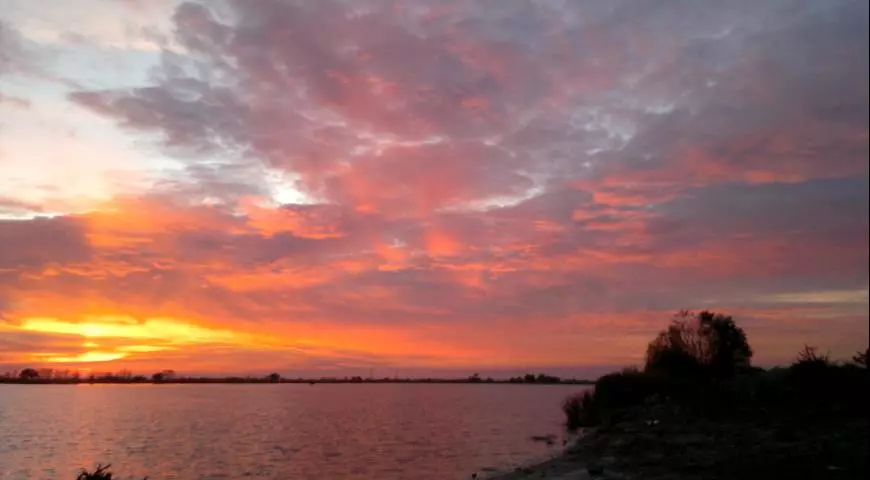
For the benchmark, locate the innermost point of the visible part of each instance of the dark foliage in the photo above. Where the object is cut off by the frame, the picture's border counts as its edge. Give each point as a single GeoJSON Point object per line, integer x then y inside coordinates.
{"type": "Point", "coordinates": [580, 411]}
{"type": "Point", "coordinates": [701, 365]}
{"type": "Point", "coordinates": [705, 344]}
{"type": "Point", "coordinates": [100, 473]}
{"type": "Point", "coordinates": [619, 390]}
{"type": "Point", "coordinates": [539, 378]}
{"type": "Point", "coordinates": [860, 358]}
{"type": "Point", "coordinates": [809, 358]}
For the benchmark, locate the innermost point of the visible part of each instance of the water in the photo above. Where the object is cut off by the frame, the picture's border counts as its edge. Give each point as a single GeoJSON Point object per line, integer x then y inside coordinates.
{"type": "Point", "coordinates": [336, 432]}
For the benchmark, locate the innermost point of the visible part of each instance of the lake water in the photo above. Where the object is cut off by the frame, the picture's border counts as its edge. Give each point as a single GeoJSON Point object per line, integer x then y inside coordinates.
{"type": "Point", "coordinates": [336, 432]}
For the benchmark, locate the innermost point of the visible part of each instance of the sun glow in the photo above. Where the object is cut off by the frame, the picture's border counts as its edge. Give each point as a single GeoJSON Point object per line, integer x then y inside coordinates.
{"type": "Point", "coordinates": [86, 357]}
{"type": "Point", "coordinates": [108, 338]}
{"type": "Point", "coordinates": [161, 329]}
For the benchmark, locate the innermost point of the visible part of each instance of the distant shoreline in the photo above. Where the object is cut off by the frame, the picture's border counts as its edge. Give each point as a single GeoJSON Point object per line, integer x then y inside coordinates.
{"type": "Point", "coordinates": [245, 381]}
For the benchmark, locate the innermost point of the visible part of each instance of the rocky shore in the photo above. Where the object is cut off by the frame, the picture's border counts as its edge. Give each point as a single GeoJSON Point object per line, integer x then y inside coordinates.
{"type": "Point", "coordinates": [663, 443]}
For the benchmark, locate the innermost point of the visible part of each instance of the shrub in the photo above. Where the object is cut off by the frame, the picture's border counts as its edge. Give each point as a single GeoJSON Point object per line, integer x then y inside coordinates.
{"type": "Point", "coordinates": [612, 393]}
{"type": "Point", "coordinates": [100, 473]}
{"type": "Point", "coordinates": [810, 358]}
{"type": "Point", "coordinates": [818, 380]}
{"type": "Point", "coordinates": [630, 388]}
{"type": "Point", "coordinates": [580, 411]}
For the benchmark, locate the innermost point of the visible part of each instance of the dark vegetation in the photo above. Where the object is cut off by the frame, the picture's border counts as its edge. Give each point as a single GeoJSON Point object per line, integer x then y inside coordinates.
{"type": "Point", "coordinates": [100, 473]}
{"type": "Point", "coordinates": [700, 408]}
{"type": "Point", "coordinates": [32, 376]}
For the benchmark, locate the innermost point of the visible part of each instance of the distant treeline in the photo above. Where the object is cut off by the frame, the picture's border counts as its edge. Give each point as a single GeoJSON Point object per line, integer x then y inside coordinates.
{"type": "Point", "coordinates": [31, 376]}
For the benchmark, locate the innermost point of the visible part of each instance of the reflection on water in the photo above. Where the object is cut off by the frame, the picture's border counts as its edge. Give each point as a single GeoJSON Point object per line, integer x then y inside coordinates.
{"type": "Point", "coordinates": [274, 431]}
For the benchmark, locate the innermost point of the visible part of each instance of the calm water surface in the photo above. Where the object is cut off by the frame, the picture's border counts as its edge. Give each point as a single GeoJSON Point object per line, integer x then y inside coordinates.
{"type": "Point", "coordinates": [283, 431]}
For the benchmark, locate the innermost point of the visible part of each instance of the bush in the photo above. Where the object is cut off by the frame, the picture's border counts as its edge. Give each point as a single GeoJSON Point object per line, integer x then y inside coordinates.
{"type": "Point", "coordinates": [580, 411]}
{"type": "Point", "coordinates": [612, 393]}
{"type": "Point", "coordinates": [810, 358]}
{"type": "Point", "coordinates": [630, 388]}
{"type": "Point", "coordinates": [100, 473]}
{"type": "Point", "coordinates": [817, 380]}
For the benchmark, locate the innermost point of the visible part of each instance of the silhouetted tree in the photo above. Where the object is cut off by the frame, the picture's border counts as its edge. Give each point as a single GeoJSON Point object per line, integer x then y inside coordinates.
{"type": "Point", "coordinates": [706, 343]}
{"type": "Point", "coordinates": [28, 374]}
{"type": "Point", "coordinates": [274, 378]}
{"type": "Point", "coordinates": [529, 378]}
{"type": "Point", "coordinates": [474, 378]}
{"type": "Point", "coordinates": [158, 377]}
{"type": "Point", "coordinates": [810, 357]}
{"type": "Point", "coordinates": [860, 358]}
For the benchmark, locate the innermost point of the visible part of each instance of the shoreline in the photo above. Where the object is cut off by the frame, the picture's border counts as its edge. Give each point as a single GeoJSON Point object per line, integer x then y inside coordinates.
{"type": "Point", "coordinates": [564, 466]}
{"type": "Point", "coordinates": [291, 382]}
{"type": "Point", "coordinates": [575, 462]}
{"type": "Point", "coordinates": [662, 442]}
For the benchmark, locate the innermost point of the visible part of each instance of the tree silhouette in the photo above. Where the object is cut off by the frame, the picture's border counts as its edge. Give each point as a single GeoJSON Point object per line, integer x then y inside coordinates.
{"type": "Point", "coordinates": [274, 378]}
{"type": "Point", "coordinates": [28, 374]}
{"type": "Point", "coordinates": [860, 358]}
{"type": "Point", "coordinates": [705, 343]}
{"type": "Point", "coordinates": [101, 473]}
{"type": "Point", "coordinates": [811, 355]}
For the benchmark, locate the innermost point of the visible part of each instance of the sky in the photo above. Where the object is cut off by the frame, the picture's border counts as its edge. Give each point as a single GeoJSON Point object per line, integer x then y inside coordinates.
{"type": "Point", "coordinates": [419, 187]}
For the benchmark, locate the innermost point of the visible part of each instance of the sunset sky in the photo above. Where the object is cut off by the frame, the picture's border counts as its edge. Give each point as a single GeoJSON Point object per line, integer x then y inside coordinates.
{"type": "Point", "coordinates": [426, 186]}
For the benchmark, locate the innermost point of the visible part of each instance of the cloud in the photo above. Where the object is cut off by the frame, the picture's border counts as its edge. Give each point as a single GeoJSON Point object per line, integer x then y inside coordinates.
{"type": "Point", "coordinates": [14, 102]}
{"type": "Point", "coordinates": [29, 244]}
{"type": "Point", "coordinates": [11, 55]}
{"type": "Point", "coordinates": [444, 183]}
